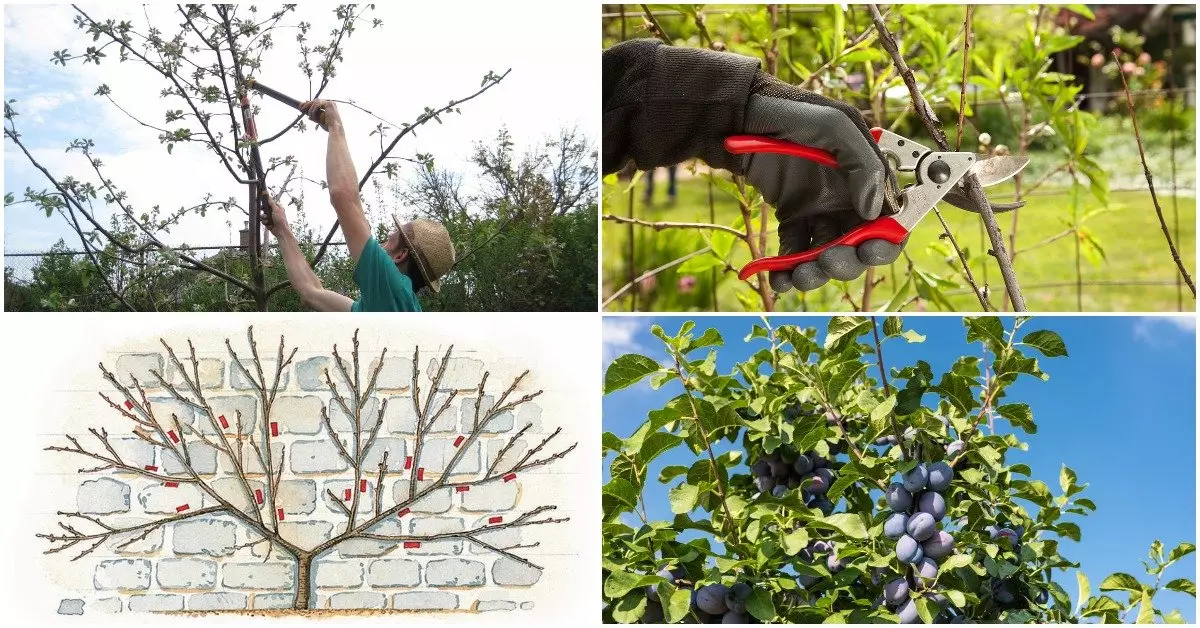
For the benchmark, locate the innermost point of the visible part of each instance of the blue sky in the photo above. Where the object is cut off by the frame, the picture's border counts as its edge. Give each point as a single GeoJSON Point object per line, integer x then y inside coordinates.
{"type": "Point", "coordinates": [1120, 411]}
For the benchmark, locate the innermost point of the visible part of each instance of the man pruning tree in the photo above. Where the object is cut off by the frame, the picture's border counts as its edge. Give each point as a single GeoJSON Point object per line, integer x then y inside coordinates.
{"type": "Point", "coordinates": [390, 274]}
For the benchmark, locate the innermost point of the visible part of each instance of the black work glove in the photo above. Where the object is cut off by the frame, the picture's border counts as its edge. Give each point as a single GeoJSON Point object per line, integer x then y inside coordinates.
{"type": "Point", "coordinates": [815, 204]}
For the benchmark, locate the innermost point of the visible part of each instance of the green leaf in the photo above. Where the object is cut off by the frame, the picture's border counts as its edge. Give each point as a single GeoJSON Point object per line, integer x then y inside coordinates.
{"type": "Point", "coordinates": [679, 601]}
{"type": "Point", "coordinates": [760, 605]}
{"type": "Point", "coordinates": [1082, 10]}
{"type": "Point", "coordinates": [1121, 582]}
{"type": "Point", "coordinates": [628, 370]}
{"type": "Point", "coordinates": [655, 444]}
{"type": "Point", "coordinates": [849, 524]}
{"type": "Point", "coordinates": [844, 330]}
{"type": "Point", "coordinates": [630, 608]}
{"type": "Point", "coordinates": [683, 498]}
{"type": "Point", "coordinates": [892, 326]}
{"type": "Point", "coordinates": [1066, 478]}
{"type": "Point", "coordinates": [1049, 343]}
{"type": "Point", "coordinates": [923, 610]}
{"type": "Point", "coordinates": [1146, 609]}
{"type": "Point", "coordinates": [1183, 585]}
{"type": "Point", "coordinates": [1181, 550]}
{"type": "Point", "coordinates": [957, 390]}
{"type": "Point", "coordinates": [1085, 587]}
{"type": "Point", "coordinates": [986, 328]}
{"type": "Point", "coordinates": [795, 541]}
{"type": "Point", "coordinates": [1020, 416]}
{"type": "Point", "coordinates": [1174, 617]}
{"type": "Point", "coordinates": [710, 338]}
{"type": "Point", "coordinates": [955, 561]}
{"type": "Point", "coordinates": [879, 416]}
{"type": "Point", "coordinates": [621, 582]}
{"type": "Point", "coordinates": [622, 490]}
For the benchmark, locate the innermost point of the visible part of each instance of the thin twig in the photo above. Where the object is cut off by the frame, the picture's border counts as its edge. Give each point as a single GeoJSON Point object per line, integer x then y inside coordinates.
{"type": "Point", "coordinates": [1150, 181]}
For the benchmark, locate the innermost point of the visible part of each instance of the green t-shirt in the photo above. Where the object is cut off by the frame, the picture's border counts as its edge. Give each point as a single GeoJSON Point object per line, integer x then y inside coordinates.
{"type": "Point", "coordinates": [381, 286]}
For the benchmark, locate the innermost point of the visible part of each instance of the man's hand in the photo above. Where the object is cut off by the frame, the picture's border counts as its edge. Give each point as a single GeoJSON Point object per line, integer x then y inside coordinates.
{"type": "Point", "coordinates": [278, 218]}
{"type": "Point", "coordinates": [813, 203]}
{"type": "Point", "coordinates": [324, 113]}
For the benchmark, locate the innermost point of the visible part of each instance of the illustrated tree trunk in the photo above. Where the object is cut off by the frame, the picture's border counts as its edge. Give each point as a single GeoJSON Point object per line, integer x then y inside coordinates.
{"type": "Point", "coordinates": [303, 581]}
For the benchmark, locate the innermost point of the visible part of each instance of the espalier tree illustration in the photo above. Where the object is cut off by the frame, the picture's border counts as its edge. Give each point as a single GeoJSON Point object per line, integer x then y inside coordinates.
{"type": "Point", "coordinates": [202, 59]}
{"type": "Point", "coordinates": [867, 500]}
{"type": "Point", "coordinates": [249, 455]}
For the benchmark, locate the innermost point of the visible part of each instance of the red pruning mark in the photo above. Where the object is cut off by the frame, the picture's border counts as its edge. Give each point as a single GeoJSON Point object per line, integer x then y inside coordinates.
{"type": "Point", "coordinates": [458, 441]}
{"type": "Point", "coordinates": [182, 508]}
{"type": "Point", "coordinates": [495, 519]}
{"type": "Point", "coordinates": [279, 512]}
{"type": "Point", "coordinates": [151, 467]}
{"type": "Point", "coordinates": [407, 462]}
{"type": "Point", "coordinates": [348, 492]}
{"type": "Point", "coordinates": [403, 512]}
{"type": "Point", "coordinates": [224, 423]}
{"type": "Point", "coordinates": [362, 486]}
{"type": "Point", "coordinates": [411, 544]}
{"type": "Point", "coordinates": [128, 404]}
{"type": "Point", "coordinates": [171, 484]}
{"type": "Point", "coordinates": [274, 428]}
{"type": "Point", "coordinates": [461, 489]}
{"type": "Point", "coordinates": [510, 477]}
{"type": "Point", "coordinates": [258, 495]}
{"type": "Point", "coordinates": [420, 474]}
{"type": "Point", "coordinates": [174, 438]}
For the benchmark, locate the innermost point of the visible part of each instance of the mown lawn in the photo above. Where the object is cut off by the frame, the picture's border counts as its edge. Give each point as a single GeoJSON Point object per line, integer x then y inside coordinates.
{"type": "Point", "coordinates": [1134, 247]}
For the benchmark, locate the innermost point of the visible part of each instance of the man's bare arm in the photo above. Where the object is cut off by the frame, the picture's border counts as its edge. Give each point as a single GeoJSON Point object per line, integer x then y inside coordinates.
{"type": "Point", "coordinates": [341, 177]}
{"type": "Point", "coordinates": [312, 293]}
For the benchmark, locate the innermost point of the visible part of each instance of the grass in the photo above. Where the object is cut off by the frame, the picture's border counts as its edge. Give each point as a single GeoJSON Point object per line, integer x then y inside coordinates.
{"type": "Point", "coordinates": [1134, 247]}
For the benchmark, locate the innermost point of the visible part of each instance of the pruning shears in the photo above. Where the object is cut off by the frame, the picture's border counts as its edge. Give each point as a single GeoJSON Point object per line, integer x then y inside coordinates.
{"type": "Point", "coordinates": [938, 177]}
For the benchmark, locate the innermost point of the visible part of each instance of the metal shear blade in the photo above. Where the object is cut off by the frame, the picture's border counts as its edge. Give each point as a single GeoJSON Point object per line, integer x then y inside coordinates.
{"type": "Point", "coordinates": [937, 174]}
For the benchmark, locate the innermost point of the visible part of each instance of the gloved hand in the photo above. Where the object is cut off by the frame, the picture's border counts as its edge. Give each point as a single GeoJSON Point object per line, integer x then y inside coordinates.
{"type": "Point", "coordinates": [813, 203]}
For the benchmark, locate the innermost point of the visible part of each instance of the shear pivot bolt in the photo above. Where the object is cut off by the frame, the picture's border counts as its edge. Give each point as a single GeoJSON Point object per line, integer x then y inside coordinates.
{"type": "Point", "coordinates": [939, 172]}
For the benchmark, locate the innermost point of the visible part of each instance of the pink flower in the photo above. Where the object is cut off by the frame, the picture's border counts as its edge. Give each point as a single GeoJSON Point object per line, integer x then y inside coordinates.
{"type": "Point", "coordinates": [1143, 58]}
{"type": "Point", "coordinates": [687, 283]}
{"type": "Point", "coordinates": [1139, 71]}
{"type": "Point", "coordinates": [1128, 67]}
{"type": "Point", "coordinates": [1097, 60]}
{"type": "Point", "coordinates": [647, 285]}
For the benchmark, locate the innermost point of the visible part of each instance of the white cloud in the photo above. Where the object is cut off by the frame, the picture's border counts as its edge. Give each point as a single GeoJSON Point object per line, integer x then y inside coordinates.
{"type": "Point", "coordinates": [1151, 329]}
{"type": "Point", "coordinates": [620, 336]}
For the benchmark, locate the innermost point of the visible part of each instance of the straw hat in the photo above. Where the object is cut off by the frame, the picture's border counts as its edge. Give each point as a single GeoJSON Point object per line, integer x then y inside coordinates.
{"type": "Point", "coordinates": [430, 245]}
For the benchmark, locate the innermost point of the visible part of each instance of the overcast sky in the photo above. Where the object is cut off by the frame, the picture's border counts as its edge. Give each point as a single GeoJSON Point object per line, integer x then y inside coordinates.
{"type": "Point", "coordinates": [425, 54]}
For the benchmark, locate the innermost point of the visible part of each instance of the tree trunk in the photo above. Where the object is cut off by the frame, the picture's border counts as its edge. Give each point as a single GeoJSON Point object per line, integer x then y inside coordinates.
{"type": "Point", "coordinates": [303, 581]}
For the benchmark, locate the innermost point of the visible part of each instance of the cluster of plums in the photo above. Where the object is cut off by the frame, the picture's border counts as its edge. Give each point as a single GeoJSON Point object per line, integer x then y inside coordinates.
{"type": "Point", "coordinates": [778, 472]}
{"type": "Point", "coordinates": [917, 506]}
{"type": "Point", "coordinates": [712, 603]}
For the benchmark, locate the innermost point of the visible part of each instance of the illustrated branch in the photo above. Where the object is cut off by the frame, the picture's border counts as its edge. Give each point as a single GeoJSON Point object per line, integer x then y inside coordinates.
{"type": "Point", "coordinates": [357, 387]}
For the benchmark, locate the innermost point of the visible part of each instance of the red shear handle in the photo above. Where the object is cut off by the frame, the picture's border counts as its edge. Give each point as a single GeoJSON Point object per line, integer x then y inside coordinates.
{"type": "Point", "coordinates": [741, 144]}
{"type": "Point", "coordinates": [880, 229]}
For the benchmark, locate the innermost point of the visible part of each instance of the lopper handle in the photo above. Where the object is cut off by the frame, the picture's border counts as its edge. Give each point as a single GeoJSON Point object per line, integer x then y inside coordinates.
{"type": "Point", "coordinates": [279, 96]}
{"type": "Point", "coordinates": [885, 228]}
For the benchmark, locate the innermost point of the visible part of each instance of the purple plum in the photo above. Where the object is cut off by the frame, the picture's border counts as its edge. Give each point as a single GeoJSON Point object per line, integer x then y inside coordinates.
{"type": "Point", "coordinates": [895, 592]}
{"type": "Point", "coordinates": [940, 476]}
{"type": "Point", "coordinates": [926, 572]}
{"type": "Point", "coordinates": [711, 598]}
{"type": "Point", "coordinates": [916, 478]}
{"type": "Point", "coordinates": [898, 498]}
{"type": "Point", "coordinates": [940, 545]}
{"type": "Point", "coordinates": [908, 550]}
{"type": "Point", "coordinates": [921, 526]}
{"type": "Point", "coordinates": [803, 464]}
{"type": "Point", "coordinates": [932, 503]}
{"type": "Point", "coordinates": [908, 613]}
{"type": "Point", "coordinates": [896, 526]}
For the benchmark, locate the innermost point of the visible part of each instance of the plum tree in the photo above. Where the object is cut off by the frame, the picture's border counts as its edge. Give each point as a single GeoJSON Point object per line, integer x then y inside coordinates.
{"type": "Point", "coordinates": [852, 493]}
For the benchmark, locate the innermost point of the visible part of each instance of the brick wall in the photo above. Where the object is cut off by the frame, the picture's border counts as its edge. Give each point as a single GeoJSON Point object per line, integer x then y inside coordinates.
{"type": "Point", "coordinates": [211, 563]}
